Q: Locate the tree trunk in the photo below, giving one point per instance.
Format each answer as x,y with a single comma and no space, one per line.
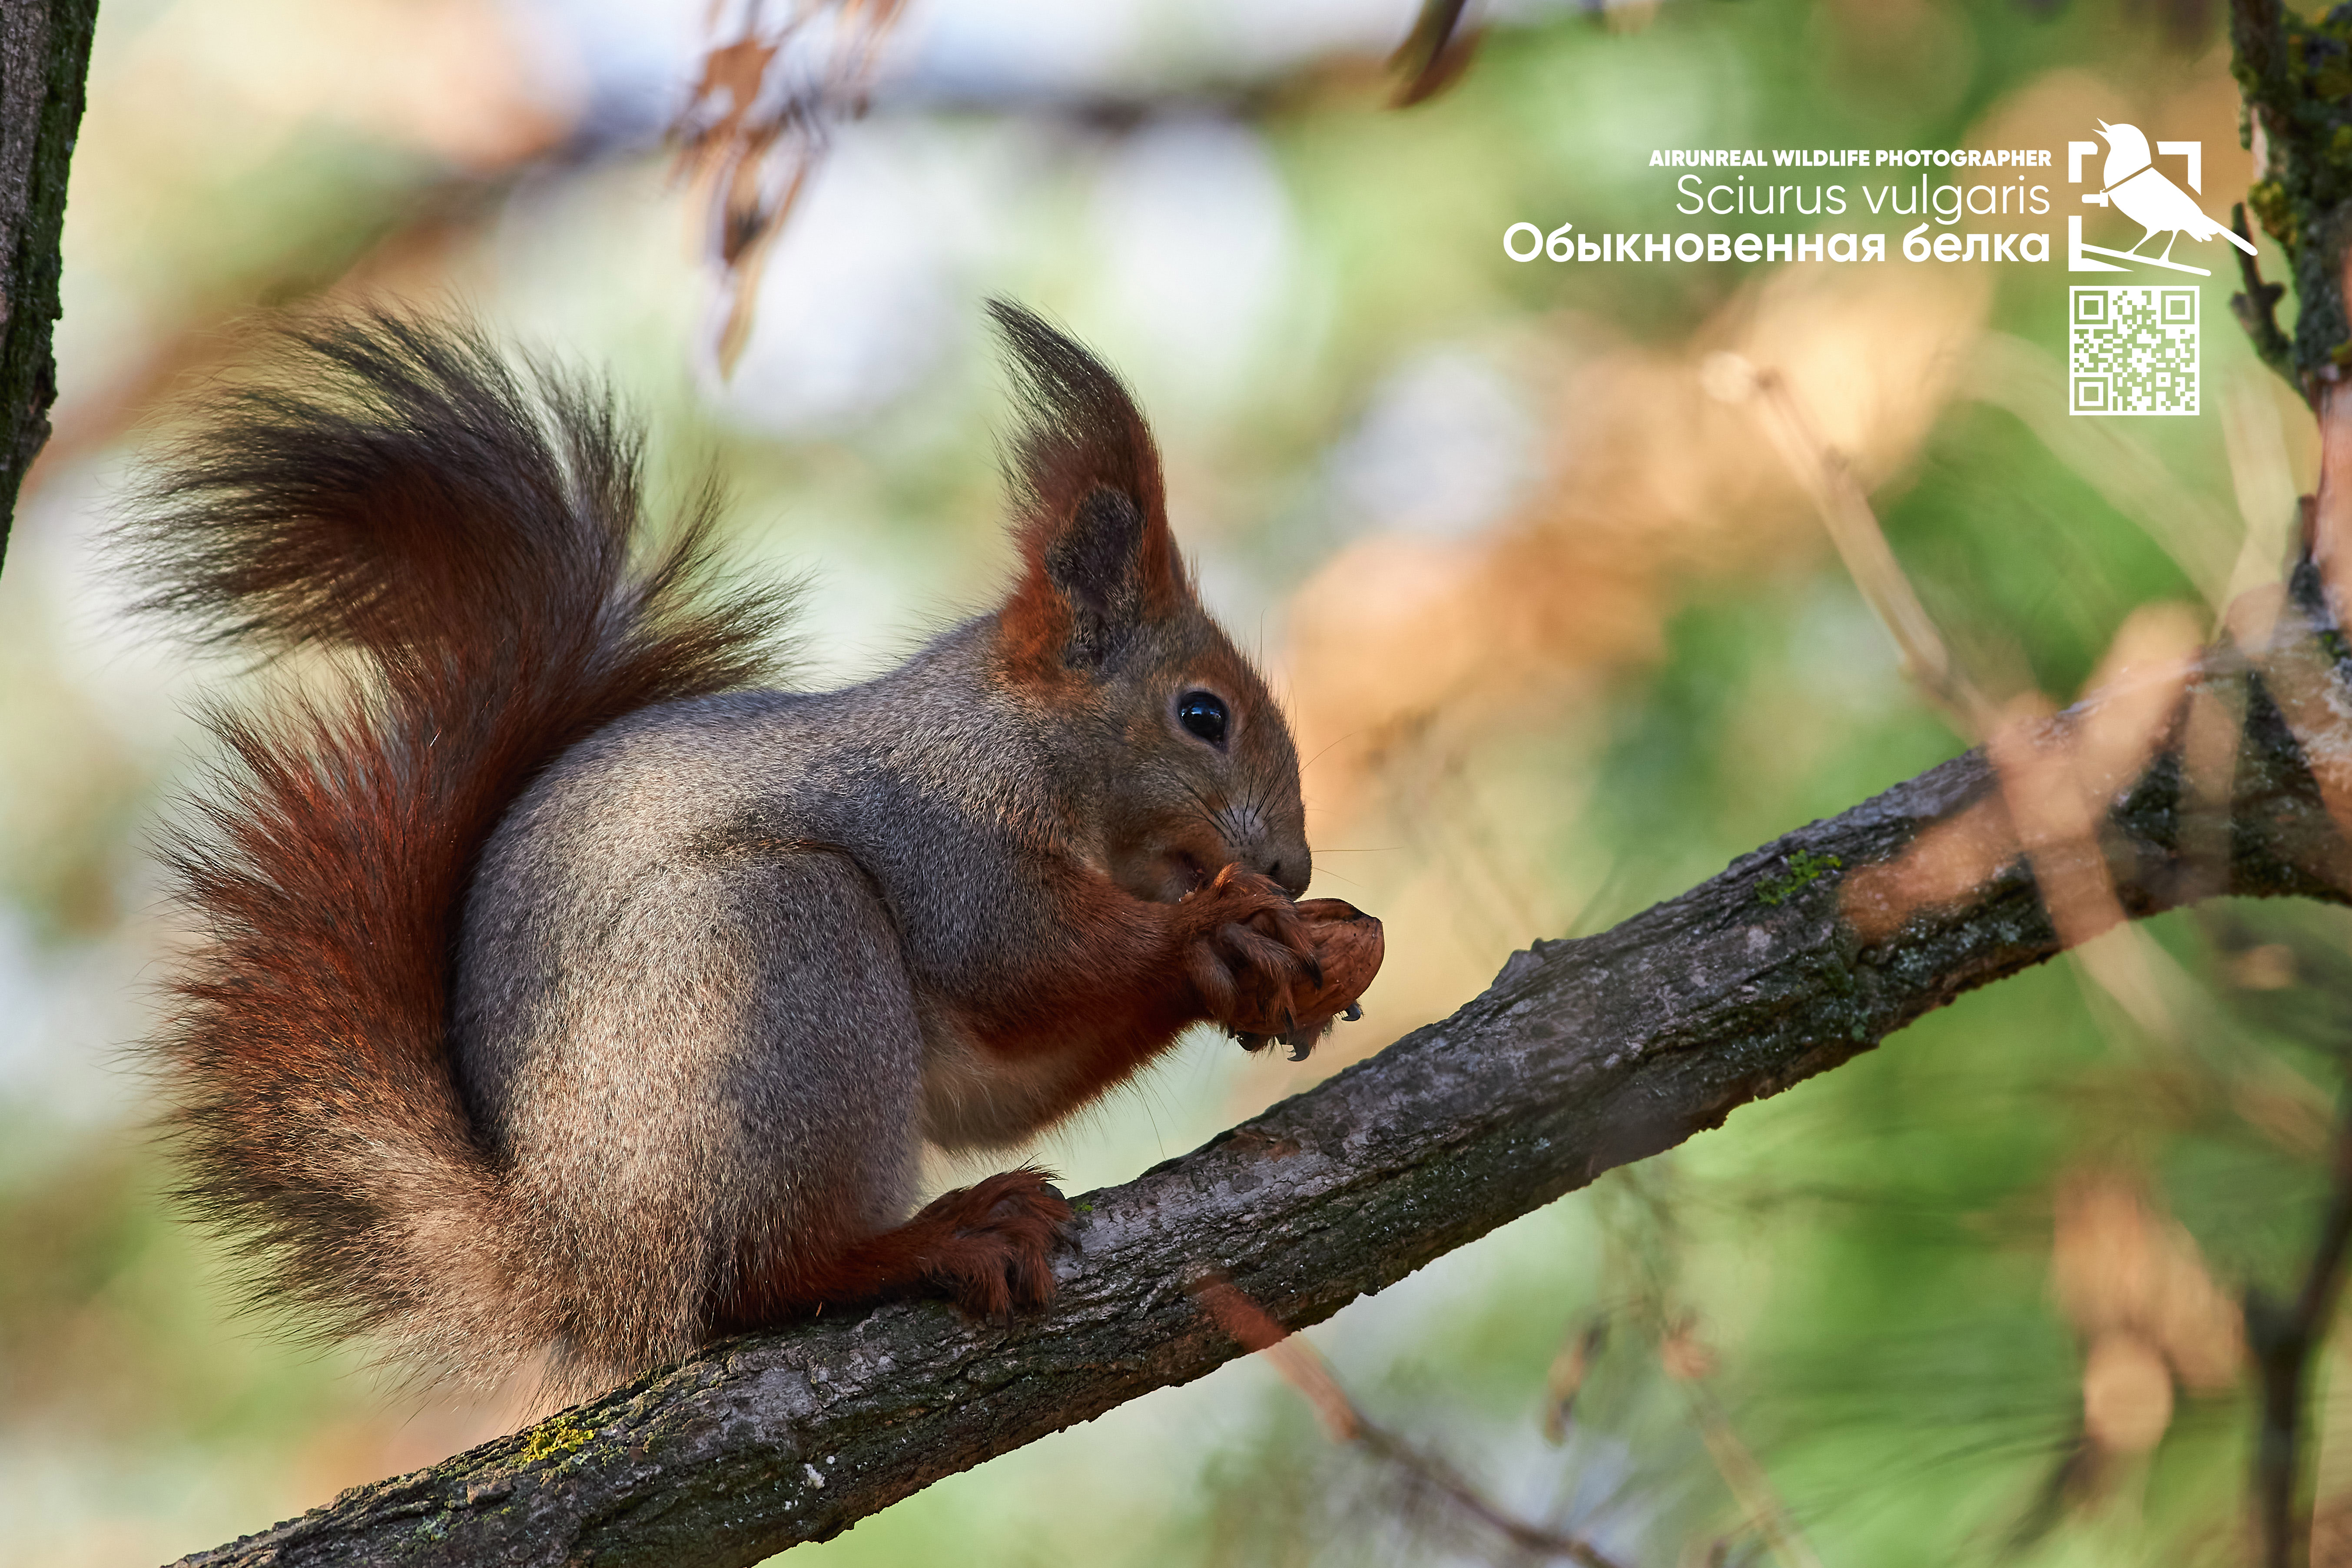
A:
44,59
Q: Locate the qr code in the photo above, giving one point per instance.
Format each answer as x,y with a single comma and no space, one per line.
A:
2132,350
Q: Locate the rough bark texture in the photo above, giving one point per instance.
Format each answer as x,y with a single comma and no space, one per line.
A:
44,59
1583,1055
2296,75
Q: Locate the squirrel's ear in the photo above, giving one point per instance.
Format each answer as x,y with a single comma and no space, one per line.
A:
1097,560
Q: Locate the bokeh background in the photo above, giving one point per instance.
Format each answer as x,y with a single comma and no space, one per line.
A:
1562,632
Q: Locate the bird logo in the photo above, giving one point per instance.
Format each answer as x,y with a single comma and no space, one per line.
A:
2135,187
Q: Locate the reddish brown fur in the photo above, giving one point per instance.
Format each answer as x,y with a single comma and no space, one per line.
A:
1131,976
1095,440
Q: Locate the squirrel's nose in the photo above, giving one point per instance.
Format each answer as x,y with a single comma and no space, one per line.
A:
1292,866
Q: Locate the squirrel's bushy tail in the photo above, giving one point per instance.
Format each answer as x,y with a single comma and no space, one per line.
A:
458,537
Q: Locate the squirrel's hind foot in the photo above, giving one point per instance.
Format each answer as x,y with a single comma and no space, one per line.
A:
990,1247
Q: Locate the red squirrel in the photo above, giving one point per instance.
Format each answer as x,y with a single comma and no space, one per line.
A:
568,997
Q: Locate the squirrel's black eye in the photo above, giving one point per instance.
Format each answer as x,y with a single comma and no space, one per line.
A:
1204,714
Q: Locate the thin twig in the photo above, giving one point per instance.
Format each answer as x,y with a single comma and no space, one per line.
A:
2281,1340
1304,1368
1845,511
2257,308
1434,53
751,135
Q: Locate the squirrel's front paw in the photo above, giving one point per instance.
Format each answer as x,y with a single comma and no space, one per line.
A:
1270,969
1267,968
1349,945
997,1242
1246,948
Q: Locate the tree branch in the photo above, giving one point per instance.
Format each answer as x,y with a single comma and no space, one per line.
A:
1584,1055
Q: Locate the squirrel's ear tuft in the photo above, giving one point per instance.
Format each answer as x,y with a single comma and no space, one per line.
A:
1097,560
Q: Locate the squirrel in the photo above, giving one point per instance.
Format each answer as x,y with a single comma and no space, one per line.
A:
567,996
